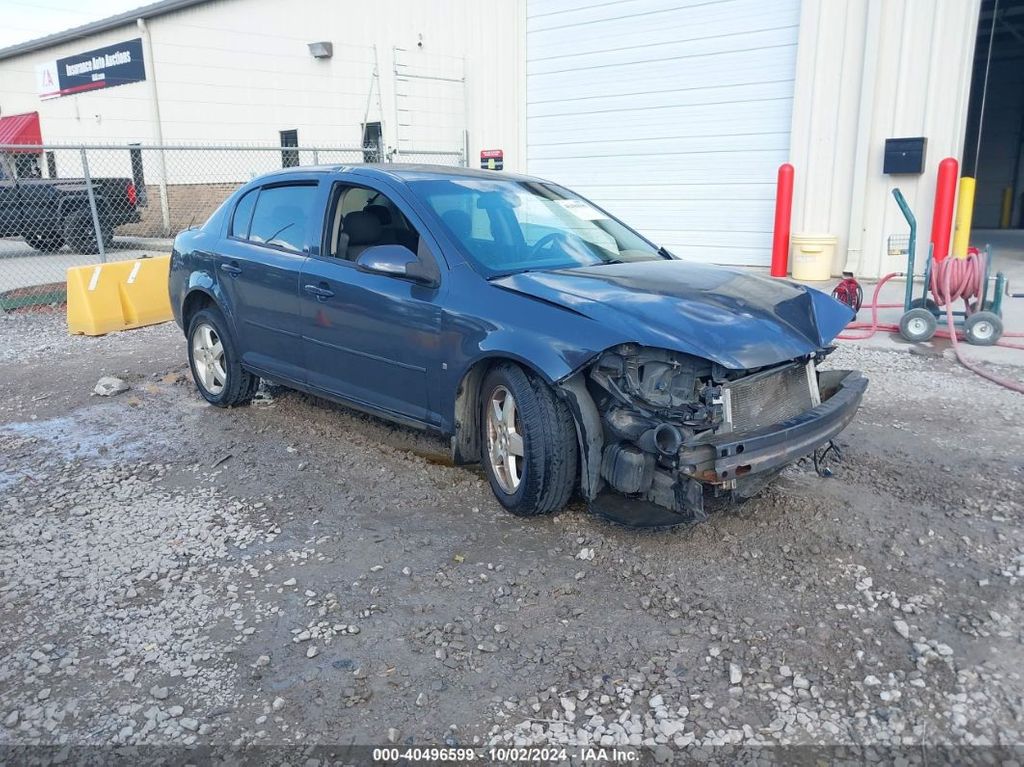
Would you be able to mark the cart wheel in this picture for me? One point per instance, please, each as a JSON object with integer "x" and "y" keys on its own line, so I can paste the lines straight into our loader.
{"x": 918, "y": 325}
{"x": 925, "y": 303}
{"x": 983, "y": 328}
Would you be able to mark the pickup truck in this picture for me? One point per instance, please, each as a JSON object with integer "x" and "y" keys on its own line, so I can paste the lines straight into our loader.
{"x": 52, "y": 212}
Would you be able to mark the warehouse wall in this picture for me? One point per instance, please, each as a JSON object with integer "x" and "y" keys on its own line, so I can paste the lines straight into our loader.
{"x": 672, "y": 115}
{"x": 868, "y": 70}
{"x": 239, "y": 71}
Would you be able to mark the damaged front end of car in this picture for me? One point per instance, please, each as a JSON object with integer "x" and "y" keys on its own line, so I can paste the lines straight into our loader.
{"x": 663, "y": 429}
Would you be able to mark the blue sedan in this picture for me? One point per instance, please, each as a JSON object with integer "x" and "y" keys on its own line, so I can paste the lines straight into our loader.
{"x": 544, "y": 337}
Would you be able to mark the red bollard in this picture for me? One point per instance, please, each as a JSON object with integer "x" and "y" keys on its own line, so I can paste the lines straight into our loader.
{"x": 942, "y": 216}
{"x": 783, "y": 217}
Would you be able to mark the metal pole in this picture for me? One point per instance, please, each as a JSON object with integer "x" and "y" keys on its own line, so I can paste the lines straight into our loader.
{"x": 92, "y": 206}
{"x": 158, "y": 131}
{"x": 316, "y": 157}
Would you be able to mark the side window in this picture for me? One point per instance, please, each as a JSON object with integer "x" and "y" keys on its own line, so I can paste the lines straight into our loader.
{"x": 281, "y": 214}
{"x": 361, "y": 218}
{"x": 243, "y": 214}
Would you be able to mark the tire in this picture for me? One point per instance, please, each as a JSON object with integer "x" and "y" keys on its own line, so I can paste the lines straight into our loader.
{"x": 983, "y": 328}
{"x": 548, "y": 464}
{"x": 924, "y": 303}
{"x": 80, "y": 234}
{"x": 49, "y": 242}
{"x": 918, "y": 325}
{"x": 215, "y": 363}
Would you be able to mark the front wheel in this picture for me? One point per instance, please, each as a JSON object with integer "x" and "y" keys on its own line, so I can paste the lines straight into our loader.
{"x": 215, "y": 363}
{"x": 528, "y": 442}
{"x": 918, "y": 325}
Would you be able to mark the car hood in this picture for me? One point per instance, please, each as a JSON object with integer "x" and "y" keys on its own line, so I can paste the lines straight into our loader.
{"x": 731, "y": 317}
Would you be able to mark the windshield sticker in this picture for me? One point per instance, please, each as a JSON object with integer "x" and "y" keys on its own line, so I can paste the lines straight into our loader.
{"x": 580, "y": 209}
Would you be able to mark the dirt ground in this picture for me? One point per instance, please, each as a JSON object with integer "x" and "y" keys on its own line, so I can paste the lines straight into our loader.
{"x": 293, "y": 572}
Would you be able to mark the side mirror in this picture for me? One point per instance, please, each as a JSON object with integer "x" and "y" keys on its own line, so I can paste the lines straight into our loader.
{"x": 395, "y": 261}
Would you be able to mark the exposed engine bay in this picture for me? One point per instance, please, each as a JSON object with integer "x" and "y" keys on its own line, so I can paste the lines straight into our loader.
{"x": 659, "y": 410}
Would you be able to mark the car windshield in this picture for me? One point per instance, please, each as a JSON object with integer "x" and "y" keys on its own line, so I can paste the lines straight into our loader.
{"x": 507, "y": 226}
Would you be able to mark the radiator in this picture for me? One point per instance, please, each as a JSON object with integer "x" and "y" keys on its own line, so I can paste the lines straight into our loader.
{"x": 770, "y": 397}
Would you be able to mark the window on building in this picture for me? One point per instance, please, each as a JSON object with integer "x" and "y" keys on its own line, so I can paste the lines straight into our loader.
{"x": 51, "y": 164}
{"x": 372, "y": 142}
{"x": 289, "y": 157}
{"x": 280, "y": 216}
{"x": 138, "y": 175}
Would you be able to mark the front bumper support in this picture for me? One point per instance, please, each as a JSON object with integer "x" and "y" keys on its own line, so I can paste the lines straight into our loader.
{"x": 722, "y": 458}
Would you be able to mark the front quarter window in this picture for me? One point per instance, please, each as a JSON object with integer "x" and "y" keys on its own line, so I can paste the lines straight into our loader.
{"x": 507, "y": 226}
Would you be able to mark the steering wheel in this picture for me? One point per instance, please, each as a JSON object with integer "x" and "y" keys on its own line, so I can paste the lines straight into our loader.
{"x": 548, "y": 240}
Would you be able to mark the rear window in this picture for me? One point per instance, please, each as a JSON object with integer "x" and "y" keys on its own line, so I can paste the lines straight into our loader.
{"x": 280, "y": 216}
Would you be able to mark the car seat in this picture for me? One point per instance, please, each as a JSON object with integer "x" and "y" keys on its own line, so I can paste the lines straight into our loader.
{"x": 363, "y": 230}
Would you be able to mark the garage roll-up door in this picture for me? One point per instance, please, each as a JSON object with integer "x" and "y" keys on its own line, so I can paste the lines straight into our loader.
{"x": 673, "y": 115}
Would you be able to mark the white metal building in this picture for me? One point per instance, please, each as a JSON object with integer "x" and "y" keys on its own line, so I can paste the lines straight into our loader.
{"x": 673, "y": 114}
{"x": 242, "y": 71}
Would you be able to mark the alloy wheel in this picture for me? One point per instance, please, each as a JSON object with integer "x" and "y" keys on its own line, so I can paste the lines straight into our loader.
{"x": 208, "y": 359}
{"x": 505, "y": 440}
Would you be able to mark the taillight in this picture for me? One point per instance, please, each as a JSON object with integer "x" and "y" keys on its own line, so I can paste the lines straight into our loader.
{"x": 130, "y": 192}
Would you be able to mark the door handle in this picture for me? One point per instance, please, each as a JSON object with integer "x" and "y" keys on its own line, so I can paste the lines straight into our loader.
{"x": 233, "y": 269}
{"x": 321, "y": 293}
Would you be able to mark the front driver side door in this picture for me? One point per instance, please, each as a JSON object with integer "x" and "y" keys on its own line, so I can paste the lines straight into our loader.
{"x": 372, "y": 339}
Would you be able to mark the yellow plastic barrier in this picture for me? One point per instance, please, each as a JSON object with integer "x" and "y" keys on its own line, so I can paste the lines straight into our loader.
{"x": 119, "y": 295}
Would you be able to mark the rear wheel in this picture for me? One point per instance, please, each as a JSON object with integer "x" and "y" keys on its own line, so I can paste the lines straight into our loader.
{"x": 528, "y": 441}
{"x": 80, "y": 233}
{"x": 983, "y": 328}
{"x": 50, "y": 242}
{"x": 215, "y": 363}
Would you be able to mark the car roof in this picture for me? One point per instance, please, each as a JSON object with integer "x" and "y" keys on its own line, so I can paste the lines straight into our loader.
{"x": 402, "y": 172}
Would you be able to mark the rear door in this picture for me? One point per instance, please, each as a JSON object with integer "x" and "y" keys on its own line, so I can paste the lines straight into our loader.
{"x": 259, "y": 268}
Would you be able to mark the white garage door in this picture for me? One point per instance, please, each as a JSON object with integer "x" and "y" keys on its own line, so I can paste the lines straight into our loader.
{"x": 672, "y": 114}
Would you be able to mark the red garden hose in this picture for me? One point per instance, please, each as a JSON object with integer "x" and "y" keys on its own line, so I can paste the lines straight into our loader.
{"x": 963, "y": 278}
{"x": 951, "y": 278}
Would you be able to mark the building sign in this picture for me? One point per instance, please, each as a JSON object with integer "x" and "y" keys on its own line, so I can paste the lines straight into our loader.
{"x": 105, "y": 67}
{"x": 492, "y": 159}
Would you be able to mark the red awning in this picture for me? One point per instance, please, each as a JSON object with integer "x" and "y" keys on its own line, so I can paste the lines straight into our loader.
{"x": 20, "y": 129}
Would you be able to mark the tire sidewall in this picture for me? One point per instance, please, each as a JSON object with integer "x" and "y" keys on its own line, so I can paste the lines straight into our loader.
{"x": 79, "y": 232}
{"x": 993, "y": 320}
{"x": 215, "y": 319}
{"x": 918, "y": 313}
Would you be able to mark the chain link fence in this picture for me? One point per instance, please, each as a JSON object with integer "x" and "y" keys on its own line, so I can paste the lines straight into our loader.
{"x": 63, "y": 206}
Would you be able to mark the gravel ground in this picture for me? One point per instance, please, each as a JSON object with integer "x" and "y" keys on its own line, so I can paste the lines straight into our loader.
{"x": 293, "y": 572}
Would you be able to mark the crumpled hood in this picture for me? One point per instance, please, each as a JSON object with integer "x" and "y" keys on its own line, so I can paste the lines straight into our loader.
{"x": 731, "y": 317}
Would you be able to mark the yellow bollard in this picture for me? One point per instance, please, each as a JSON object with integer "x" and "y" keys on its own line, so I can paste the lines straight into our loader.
{"x": 1007, "y": 209}
{"x": 964, "y": 214}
